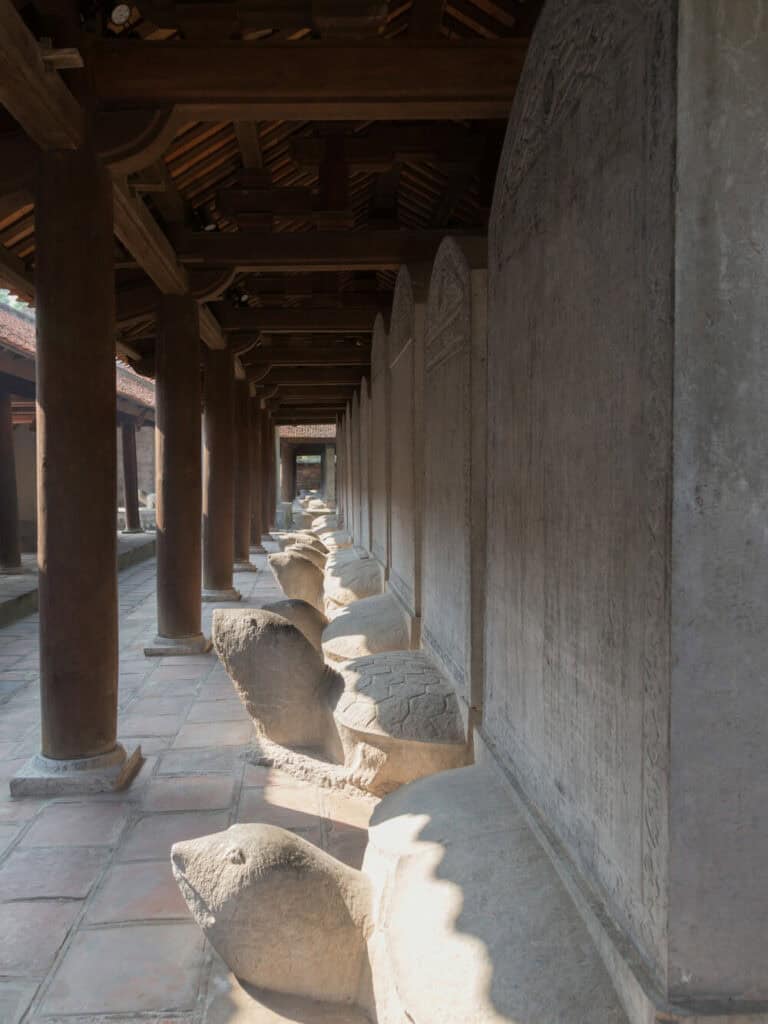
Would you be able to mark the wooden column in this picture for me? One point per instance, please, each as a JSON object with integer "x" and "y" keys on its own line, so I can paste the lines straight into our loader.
{"x": 287, "y": 471}
{"x": 267, "y": 472}
{"x": 218, "y": 477}
{"x": 256, "y": 479}
{"x": 10, "y": 552}
{"x": 243, "y": 478}
{"x": 77, "y": 481}
{"x": 130, "y": 477}
{"x": 178, "y": 478}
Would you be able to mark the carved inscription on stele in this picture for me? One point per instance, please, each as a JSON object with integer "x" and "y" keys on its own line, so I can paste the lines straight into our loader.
{"x": 585, "y": 187}
{"x": 402, "y": 325}
{"x": 448, "y": 426}
{"x": 572, "y": 40}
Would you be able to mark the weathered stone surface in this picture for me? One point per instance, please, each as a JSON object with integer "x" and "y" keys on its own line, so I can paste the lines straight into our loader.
{"x": 353, "y": 581}
{"x": 453, "y": 524}
{"x": 278, "y": 674}
{"x": 379, "y": 416}
{"x": 406, "y": 376}
{"x": 343, "y": 556}
{"x": 399, "y": 694}
{"x": 579, "y": 407}
{"x": 298, "y": 577}
{"x": 285, "y": 540}
{"x": 284, "y": 915}
{"x": 364, "y": 459}
{"x": 303, "y": 616}
{"x": 317, "y": 558}
{"x": 371, "y": 626}
{"x": 399, "y": 721}
{"x": 334, "y": 539}
{"x": 329, "y": 521}
{"x": 459, "y": 938}
{"x": 423, "y": 932}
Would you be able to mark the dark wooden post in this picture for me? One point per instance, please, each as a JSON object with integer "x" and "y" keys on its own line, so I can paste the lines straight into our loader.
{"x": 256, "y": 474}
{"x": 10, "y": 552}
{"x": 218, "y": 477}
{"x": 287, "y": 470}
{"x": 243, "y": 478}
{"x": 267, "y": 472}
{"x": 178, "y": 475}
{"x": 130, "y": 477}
{"x": 77, "y": 481}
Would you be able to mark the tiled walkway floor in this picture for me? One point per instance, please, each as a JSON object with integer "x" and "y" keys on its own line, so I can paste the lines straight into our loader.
{"x": 92, "y": 926}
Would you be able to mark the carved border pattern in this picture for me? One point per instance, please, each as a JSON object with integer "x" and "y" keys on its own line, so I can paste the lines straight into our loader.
{"x": 379, "y": 345}
{"x": 403, "y": 323}
{"x": 449, "y": 326}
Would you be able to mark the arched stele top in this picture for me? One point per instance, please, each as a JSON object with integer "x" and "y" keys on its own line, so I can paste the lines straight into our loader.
{"x": 453, "y": 528}
{"x": 402, "y": 322}
{"x": 410, "y": 288}
{"x": 449, "y": 304}
{"x": 378, "y": 347}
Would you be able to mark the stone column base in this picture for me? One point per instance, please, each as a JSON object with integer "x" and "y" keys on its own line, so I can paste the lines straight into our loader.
{"x": 46, "y": 776}
{"x": 164, "y": 646}
{"x": 221, "y": 595}
{"x": 137, "y": 529}
{"x": 245, "y": 567}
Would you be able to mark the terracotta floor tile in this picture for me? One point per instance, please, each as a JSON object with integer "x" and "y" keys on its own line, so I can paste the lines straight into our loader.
{"x": 348, "y": 810}
{"x": 152, "y": 837}
{"x": 32, "y": 933}
{"x": 199, "y": 793}
{"x": 280, "y": 809}
{"x": 348, "y": 846}
{"x": 7, "y": 834}
{"x": 137, "y": 969}
{"x": 51, "y": 873}
{"x": 78, "y": 824}
{"x": 15, "y": 997}
{"x": 202, "y": 760}
{"x": 217, "y": 711}
{"x": 149, "y": 725}
{"x": 232, "y": 734}
{"x": 140, "y": 891}
{"x": 170, "y": 688}
{"x": 158, "y": 705}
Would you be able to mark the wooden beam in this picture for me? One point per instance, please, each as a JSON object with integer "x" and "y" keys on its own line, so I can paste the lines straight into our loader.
{"x": 313, "y": 250}
{"x": 260, "y": 359}
{"x": 309, "y": 419}
{"x": 210, "y": 329}
{"x": 144, "y": 239}
{"x": 322, "y": 376}
{"x": 300, "y": 81}
{"x": 287, "y": 321}
{"x": 34, "y": 94}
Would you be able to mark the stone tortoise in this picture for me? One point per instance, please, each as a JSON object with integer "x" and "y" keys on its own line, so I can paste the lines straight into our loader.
{"x": 375, "y": 723}
{"x": 457, "y": 916}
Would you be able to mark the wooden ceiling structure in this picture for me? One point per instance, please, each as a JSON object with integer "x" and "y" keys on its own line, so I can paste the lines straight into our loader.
{"x": 277, "y": 159}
